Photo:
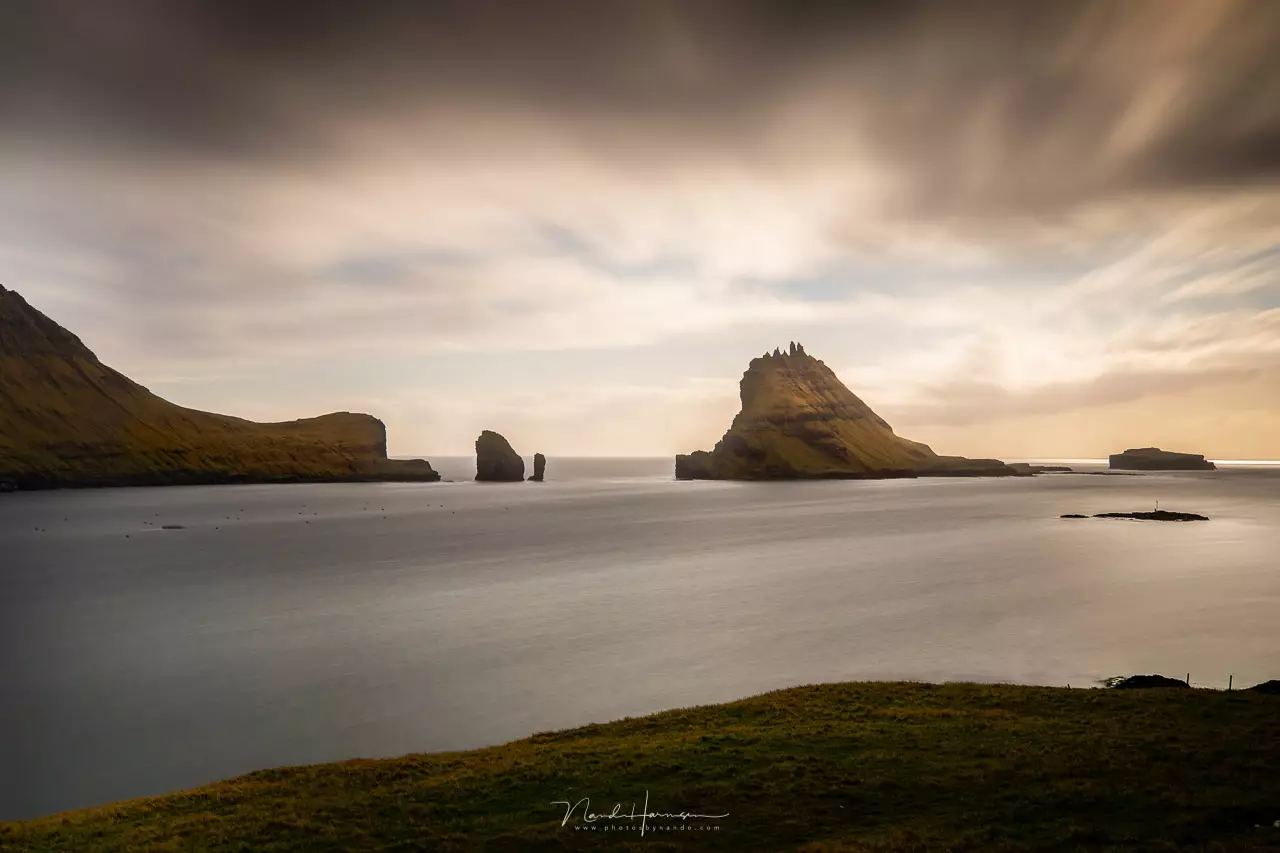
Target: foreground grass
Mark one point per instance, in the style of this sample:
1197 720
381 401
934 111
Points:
842 767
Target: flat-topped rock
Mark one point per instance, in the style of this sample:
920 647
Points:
1155 459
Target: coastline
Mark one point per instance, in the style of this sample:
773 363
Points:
202 479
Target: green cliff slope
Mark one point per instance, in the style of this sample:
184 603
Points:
66 419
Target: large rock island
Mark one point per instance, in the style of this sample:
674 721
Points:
799 421
66 419
496 461
1155 459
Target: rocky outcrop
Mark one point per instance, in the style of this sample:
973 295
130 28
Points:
496 462
68 420
539 468
1026 468
1146 682
1155 515
799 421
1155 459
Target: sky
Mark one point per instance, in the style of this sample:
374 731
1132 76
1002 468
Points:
1024 230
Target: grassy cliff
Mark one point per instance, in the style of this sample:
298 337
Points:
66 419
841 767
799 420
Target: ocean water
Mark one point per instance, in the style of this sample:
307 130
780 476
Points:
306 623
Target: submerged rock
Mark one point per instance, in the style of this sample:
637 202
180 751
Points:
496 461
798 420
1155 459
539 467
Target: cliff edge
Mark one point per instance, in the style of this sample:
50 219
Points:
798 420
68 420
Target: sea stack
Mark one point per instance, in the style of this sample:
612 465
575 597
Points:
67 420
1155 459
539 467
496 462
799 421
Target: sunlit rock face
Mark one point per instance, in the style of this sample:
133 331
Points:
496 461
798 420
66 419
1155 459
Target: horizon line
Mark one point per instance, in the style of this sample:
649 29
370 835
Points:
1032 460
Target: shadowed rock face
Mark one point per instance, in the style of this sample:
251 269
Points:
66 419
496 461
1155 459
798 420
539 468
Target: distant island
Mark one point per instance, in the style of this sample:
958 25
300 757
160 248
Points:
68 420
799 421
1155 459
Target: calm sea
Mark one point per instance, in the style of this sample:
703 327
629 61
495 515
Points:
294 624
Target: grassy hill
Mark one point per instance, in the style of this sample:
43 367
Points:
841 767
67 419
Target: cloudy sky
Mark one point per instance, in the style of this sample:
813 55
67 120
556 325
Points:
1020 229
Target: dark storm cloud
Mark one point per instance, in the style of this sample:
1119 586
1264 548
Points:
1004 105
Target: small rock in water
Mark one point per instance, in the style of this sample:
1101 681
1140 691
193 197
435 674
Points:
173 527
1157 515
1073 515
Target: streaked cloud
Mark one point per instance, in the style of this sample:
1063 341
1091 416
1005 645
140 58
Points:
977 212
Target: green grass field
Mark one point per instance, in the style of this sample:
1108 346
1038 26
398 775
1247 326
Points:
841 767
